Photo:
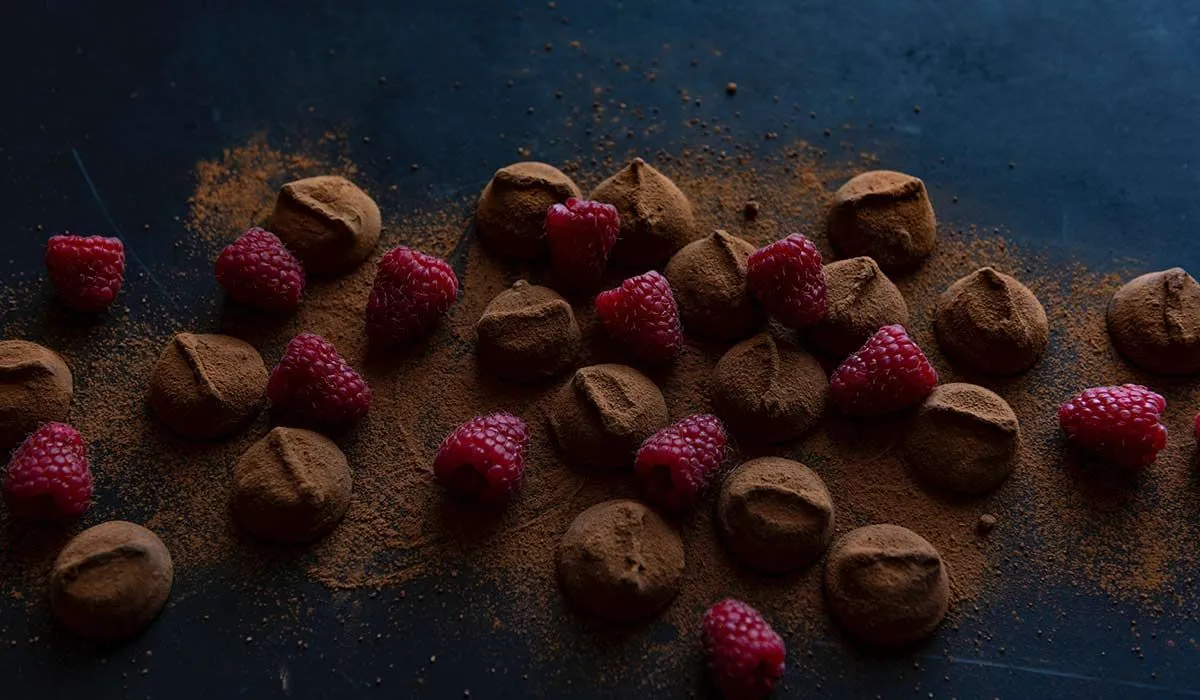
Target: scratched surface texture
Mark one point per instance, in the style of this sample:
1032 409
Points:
108 106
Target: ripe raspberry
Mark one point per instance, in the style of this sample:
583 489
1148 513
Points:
746 657
49 477
642 315
581 233
484 458
676 464
412 290
86 271
888 373
258 270
313 384
787 277
1117 423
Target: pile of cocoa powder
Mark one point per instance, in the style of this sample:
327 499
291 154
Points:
1058 522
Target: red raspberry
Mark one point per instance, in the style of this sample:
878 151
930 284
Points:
258 270
313 384
86 271
746 657
888 373
789 280
581 233
484 458
49 477
676 464
1117 423
642 315
412 290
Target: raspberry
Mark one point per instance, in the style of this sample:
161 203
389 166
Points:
258 270
746 657
484 458
86 271
789 280
49 477
642 315
313 384
1119 424
676 464
888 373
581 233
412 290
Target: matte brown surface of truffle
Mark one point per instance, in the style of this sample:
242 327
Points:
620 561
963 439
527 333
330 224
886 585
35 388
656 217
775 515
861 301
110 581
885 215
603 414
207 386
1154 321
708 278
291 486
768 390
511 213
991 323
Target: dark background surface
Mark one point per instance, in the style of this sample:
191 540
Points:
1072 124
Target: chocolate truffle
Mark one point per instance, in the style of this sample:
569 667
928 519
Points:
327 222
963 439
768 390
861 301
991 323
291 486
708 278
775 514
621 561
604 413
511 214
1154 321
886 585
656 218
110 581
207 386
885 215
35 388
527 333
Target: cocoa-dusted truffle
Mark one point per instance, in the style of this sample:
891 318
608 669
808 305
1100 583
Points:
775 514
963 439
291 486
769 390
620 561
708 277
604 413
207 386
110 581
35 388
861 301
886 585
885 215
328 222
511 213
991 323
1154 321
527 333
656 217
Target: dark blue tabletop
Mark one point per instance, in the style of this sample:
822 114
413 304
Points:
1071 123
